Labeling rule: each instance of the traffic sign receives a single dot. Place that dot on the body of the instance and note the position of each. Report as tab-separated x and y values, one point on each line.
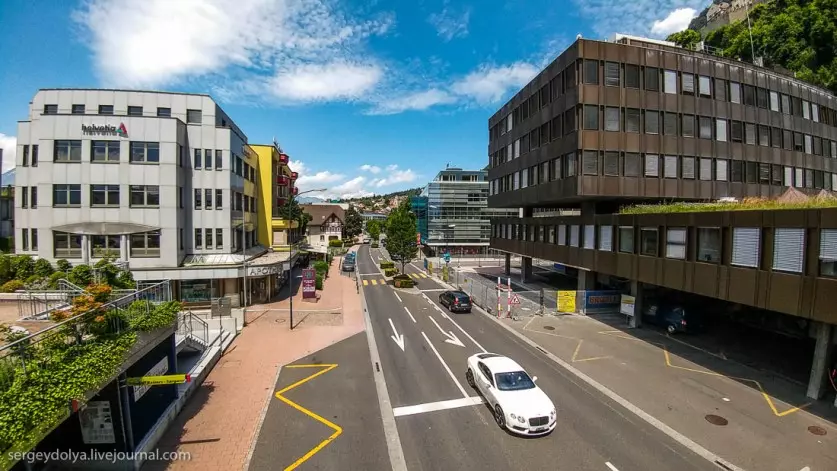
514	300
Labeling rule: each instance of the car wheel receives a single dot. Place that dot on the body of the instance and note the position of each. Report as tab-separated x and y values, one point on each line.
671	329
499	417
469	377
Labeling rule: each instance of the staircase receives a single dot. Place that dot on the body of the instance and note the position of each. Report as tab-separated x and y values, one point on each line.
195	334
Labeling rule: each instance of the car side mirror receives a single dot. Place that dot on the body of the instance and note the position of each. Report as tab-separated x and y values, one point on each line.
534	378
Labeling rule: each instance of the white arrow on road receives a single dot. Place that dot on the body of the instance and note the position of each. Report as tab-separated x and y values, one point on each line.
399	339
451	337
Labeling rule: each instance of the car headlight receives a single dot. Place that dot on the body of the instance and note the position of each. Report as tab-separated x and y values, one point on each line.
552	414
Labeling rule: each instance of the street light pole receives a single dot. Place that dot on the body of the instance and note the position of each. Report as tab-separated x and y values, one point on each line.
291	252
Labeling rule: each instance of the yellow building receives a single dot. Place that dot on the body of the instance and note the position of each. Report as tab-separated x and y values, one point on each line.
275	184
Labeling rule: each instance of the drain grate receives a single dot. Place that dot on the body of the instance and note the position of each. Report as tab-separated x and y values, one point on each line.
716	420
817	430
548	327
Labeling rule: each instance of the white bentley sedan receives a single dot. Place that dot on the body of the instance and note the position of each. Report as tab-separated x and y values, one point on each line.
519	405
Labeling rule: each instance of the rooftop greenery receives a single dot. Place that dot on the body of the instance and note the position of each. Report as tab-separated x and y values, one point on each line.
751	204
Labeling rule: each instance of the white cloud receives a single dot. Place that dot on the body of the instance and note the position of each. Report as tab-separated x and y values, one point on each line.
370	168
292	48
354	188
449	23
308	179
395	176
638	17
418	101
298	166
489	84
677	20
9	146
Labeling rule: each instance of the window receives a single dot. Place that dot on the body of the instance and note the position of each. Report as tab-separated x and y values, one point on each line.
207	199
145	152
709	244
761	98
33	199
720	90
751	172
145	196
34	239
105	109
219	198
570	160
809	145
764	136
745	246
219	238
207	161
146	244
705	126
105	245
631	76
652	122
606	238
562	234
797	142
721	170
24	235
735	92
164	112
806	110
612	118
749	95
626	239
67	151
786	108
670	166
198	160
24	197
611	74
104	195
631	120
25	156
670	124
135	111
198	199
194	117
591	72
569	121
670	82
688	125
591	117
764	174
590	162
798	177
704	84
78	109
688	83
736	131
50	109
611	164
788	249
589	236
815	112
652	79
208	238
104	151
750	133
557	132
721	130
787	139
34	155
574	236
648	242
688	168
828	252
652	163
632	165
66	195
774	101
676	243
219	160
66	245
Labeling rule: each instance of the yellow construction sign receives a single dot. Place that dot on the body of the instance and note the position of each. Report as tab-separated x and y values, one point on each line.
158	380
566	301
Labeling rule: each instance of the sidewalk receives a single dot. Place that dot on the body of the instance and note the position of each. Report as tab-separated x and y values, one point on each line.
219	423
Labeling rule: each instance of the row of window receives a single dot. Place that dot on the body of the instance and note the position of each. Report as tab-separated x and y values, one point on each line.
630	164
635	120
203	239
192	116
69	246
616	74
703	244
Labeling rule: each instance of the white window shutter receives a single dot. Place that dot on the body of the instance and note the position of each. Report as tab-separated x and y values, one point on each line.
788	249
574	236
828	244
745	246
589	236
606	238
562	234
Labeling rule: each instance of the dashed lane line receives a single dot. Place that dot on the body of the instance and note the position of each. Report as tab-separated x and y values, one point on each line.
437	406
579	342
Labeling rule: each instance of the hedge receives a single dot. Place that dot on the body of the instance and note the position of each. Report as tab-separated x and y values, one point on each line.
390	271
385	265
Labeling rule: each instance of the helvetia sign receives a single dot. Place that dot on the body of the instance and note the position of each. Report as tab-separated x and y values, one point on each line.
105	130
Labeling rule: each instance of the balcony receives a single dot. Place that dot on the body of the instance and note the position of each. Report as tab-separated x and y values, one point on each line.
280	202
282	224
284	158
282	180
296	191
294	176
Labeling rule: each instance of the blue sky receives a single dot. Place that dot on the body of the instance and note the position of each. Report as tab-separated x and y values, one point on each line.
366	96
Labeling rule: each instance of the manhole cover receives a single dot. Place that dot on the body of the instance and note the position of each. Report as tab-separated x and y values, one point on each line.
716	420
280	321
548	327
817	430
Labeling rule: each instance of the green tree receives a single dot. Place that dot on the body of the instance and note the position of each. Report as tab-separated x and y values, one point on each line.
686	39
373	228
353	224
401	235
297	214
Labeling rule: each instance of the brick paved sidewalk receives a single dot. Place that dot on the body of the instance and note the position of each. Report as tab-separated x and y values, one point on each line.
219	423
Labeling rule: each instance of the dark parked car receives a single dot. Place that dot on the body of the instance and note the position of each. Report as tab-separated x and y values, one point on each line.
348	264
673	318
455	301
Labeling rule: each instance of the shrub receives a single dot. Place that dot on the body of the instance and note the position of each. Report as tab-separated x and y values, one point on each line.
81	275
43	268
321	267
11	286
53	279
33	280
390	271
335	243
125	280
63	265
6	272
386	265
318	282
403	281
23	266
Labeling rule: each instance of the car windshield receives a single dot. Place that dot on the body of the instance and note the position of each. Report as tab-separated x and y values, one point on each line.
462	297
514	381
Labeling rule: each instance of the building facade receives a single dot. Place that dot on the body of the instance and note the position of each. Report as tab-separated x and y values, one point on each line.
326	224
276	185
165	182
7	210
610	124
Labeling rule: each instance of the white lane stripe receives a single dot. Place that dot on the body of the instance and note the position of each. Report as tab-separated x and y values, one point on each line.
410	313
612	468
457	325
458	384
399	298
437	406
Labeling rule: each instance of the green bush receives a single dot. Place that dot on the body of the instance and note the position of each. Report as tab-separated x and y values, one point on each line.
32	280
145	316
321	267
23	266
81	275
403	281
390	271
63	265
385	265
335	243
43	268
53	279
11	286
318	282
6	272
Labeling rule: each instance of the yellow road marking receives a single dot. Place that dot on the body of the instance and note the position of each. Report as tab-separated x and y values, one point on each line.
578	348
337	429
374	282
575	358
365	282
758	385
423	275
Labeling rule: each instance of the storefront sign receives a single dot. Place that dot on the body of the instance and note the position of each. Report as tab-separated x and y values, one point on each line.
96	422
104	130
265	270
159	369
566	301
309	283
158	380
627	304
601	302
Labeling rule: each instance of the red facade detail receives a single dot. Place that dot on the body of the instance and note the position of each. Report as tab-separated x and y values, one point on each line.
294	175
284	158
296	190
282	180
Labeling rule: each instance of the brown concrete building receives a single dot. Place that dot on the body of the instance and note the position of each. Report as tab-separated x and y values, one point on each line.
608	124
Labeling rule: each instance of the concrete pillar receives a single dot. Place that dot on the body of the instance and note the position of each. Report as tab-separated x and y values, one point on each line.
637	293
85	249
525	269
508	264
586	280
820	365
123	248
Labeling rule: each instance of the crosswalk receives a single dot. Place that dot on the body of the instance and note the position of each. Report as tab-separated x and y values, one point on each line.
375	280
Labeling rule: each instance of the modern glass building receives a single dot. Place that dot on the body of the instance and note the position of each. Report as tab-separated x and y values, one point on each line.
452	212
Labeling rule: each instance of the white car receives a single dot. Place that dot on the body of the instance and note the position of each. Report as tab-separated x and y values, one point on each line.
520	406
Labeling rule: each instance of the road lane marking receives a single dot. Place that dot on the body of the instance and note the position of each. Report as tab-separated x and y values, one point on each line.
374	282
456	324
612	468
337	429
398	297
575	358
423	275
365	282
437	406
409	313
399	339
452	376
369	274
451	337
432	290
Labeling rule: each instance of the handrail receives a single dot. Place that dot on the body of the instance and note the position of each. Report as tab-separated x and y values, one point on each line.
205	326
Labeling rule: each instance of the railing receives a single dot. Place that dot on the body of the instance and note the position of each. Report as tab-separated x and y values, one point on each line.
186	327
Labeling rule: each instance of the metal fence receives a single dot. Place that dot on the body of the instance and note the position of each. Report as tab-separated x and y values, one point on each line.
484	294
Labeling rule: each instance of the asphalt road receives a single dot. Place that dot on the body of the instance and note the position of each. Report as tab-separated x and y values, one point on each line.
336	393
593	432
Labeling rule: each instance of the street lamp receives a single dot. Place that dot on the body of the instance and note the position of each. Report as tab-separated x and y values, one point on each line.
291	251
